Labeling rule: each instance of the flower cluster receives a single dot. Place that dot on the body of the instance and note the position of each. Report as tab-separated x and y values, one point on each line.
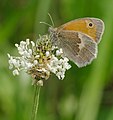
39	60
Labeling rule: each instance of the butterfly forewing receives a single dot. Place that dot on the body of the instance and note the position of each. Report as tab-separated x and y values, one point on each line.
93	27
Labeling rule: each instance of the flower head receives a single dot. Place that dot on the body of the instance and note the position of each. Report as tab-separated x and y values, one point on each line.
39	59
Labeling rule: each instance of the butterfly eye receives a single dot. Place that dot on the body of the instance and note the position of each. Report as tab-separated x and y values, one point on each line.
90	25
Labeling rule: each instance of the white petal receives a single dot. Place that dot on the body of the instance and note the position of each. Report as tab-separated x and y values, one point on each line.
29	65
8	55
10	66
15	72
47	53
13	61
35	62
62	76
22	43
37	56
61	51
16	45
30	51
27	41
66	59
57	52
22	63
33	44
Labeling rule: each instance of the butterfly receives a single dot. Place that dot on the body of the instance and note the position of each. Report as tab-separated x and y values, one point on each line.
79	39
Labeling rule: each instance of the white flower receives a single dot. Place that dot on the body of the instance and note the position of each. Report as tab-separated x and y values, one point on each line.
37	56
15	72
22	63
33	44
10	67
35	62
47	53
16	45
29	65
59	52
60	75
54	47
30	51
44	70
39	59
59	67
27	41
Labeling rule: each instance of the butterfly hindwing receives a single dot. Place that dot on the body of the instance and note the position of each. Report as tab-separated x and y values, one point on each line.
78	47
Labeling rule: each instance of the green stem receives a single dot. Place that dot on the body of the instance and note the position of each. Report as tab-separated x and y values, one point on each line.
36	102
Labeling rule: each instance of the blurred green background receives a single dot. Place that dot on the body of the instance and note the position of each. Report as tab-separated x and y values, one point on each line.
84	94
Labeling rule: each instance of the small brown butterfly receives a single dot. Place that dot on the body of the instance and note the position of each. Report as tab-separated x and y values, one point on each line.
79	39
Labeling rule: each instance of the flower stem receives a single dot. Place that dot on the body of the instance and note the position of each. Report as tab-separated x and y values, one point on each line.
35	102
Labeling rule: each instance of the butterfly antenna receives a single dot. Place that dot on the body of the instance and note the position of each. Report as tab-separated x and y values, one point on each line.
46	24
51	20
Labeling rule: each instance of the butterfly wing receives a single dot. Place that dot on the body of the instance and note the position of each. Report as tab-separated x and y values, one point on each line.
78	47
93	27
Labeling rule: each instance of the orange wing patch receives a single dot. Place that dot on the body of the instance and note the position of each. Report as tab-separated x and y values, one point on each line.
81	26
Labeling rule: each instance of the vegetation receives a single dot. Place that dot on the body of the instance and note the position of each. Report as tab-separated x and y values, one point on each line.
85	93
